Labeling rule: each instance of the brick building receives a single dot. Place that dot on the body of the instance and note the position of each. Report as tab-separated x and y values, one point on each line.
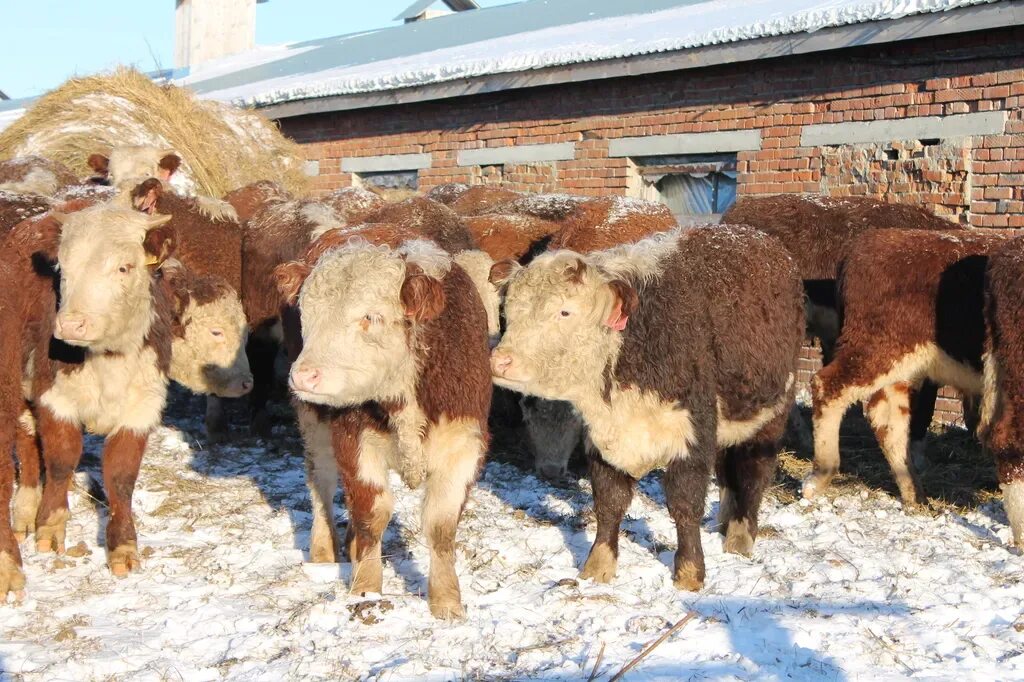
690	103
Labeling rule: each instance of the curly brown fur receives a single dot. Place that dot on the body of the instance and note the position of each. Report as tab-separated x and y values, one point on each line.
251	199
35	175
429	219
481	198
602	223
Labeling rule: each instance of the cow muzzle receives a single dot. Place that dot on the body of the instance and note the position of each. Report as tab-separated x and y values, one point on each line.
304	379
74	328
505	367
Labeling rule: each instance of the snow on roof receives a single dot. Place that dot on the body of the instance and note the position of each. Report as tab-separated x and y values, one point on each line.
9	116
530	35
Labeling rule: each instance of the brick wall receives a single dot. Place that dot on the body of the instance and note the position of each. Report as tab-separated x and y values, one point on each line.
977	180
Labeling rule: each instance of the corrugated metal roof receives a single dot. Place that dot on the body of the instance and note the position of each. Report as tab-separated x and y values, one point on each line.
531	35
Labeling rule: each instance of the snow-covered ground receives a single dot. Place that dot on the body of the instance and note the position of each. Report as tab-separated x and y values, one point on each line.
848	588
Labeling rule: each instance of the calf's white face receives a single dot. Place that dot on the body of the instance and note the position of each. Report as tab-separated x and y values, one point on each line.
360	306
563	322
211	358
104	258
130	165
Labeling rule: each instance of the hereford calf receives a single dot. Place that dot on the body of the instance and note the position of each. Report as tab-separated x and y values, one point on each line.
1002	424
394	353
35	175
129	165
930	327
15	207
354	205
109	373
253	198
672	349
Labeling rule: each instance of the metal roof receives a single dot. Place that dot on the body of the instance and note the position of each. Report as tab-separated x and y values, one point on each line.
549	41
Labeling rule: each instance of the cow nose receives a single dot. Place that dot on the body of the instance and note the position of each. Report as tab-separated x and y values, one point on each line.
71	327
305	378
247	385
501	361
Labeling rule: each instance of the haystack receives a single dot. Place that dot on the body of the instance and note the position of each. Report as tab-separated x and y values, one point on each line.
221	147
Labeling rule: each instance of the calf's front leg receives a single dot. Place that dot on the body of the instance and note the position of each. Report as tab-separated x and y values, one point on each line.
613	491
62	448
122	457
30	463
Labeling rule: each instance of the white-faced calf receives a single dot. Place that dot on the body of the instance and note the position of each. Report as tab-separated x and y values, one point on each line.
672	349
392	374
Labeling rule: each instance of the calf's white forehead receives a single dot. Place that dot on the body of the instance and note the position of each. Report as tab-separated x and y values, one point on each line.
129	162
101	230
352	274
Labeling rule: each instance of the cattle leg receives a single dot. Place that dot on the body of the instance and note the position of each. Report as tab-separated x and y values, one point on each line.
62	448
122	457
829	406
30	464
11	577
262	351
744	472
889	414
322	481
613	491
454	453
216	424
971	406
686	484
922	412
1010	471
554	429
361	456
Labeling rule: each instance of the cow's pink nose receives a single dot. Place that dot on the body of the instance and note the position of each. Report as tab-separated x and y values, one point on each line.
247	385
501	361
305	378
72	327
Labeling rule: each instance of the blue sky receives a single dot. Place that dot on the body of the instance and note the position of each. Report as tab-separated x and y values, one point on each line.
47	41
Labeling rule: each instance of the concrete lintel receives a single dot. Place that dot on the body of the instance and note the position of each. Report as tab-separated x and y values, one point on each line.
527	153
386	163
916	128
686	143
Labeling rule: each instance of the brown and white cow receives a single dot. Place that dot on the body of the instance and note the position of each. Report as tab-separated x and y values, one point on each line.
129	165
15	207
674	349
912	303
109	373
208	340
392	375
35	175
254	197
1002	417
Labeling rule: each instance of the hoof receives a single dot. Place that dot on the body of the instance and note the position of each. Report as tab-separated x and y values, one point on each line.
12	580
601	565
50	536
738	539
446	609
688	579
815	485
123	560
261	425
367	578
26	504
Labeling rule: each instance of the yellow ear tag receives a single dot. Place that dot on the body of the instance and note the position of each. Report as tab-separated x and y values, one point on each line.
152	260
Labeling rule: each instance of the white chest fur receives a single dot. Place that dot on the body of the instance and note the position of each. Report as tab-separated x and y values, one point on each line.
638	432
111	392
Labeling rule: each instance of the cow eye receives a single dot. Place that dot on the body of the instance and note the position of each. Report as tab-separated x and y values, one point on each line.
125	269
217	332
565	313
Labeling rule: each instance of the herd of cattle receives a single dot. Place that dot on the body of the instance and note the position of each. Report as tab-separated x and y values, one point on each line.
657	347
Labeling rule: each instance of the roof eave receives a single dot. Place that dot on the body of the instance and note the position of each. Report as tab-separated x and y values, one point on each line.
964	20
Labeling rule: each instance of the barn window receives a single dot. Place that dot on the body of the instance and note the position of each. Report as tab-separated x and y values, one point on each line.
404	179
698	188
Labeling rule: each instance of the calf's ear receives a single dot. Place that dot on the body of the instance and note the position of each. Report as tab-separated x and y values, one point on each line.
146	194
168	165
624	304
503	271
422	296
160	240
100	164
289	278
176	280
